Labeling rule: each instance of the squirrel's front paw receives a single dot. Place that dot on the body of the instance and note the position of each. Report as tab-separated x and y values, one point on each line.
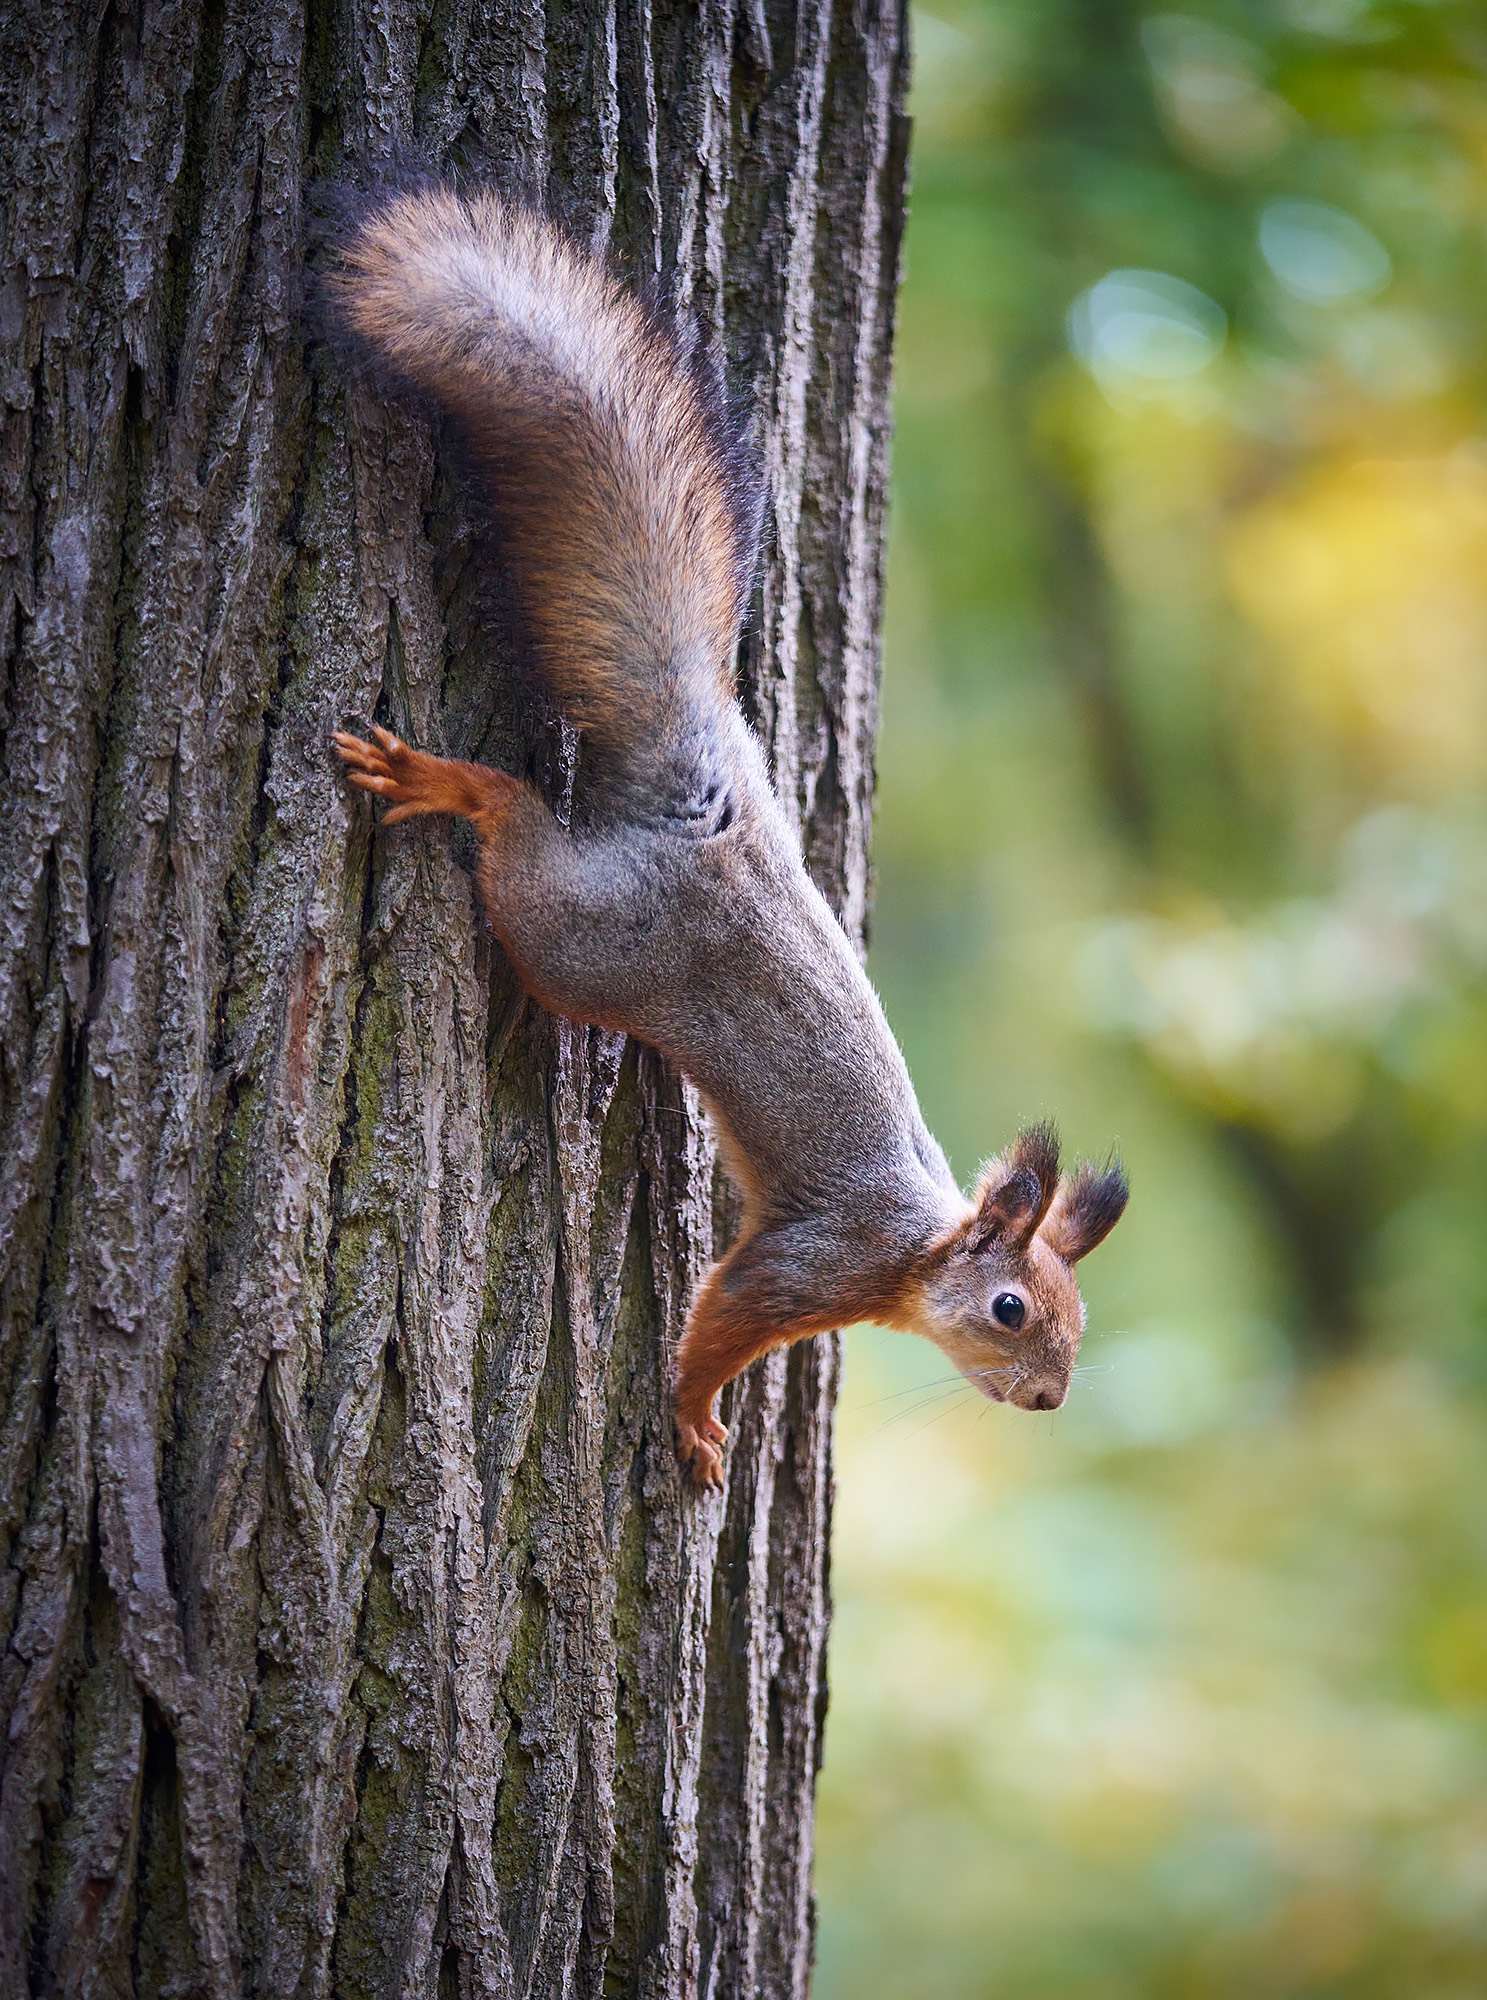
699	1449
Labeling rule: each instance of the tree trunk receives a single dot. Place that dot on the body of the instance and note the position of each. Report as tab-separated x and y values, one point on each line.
362	1637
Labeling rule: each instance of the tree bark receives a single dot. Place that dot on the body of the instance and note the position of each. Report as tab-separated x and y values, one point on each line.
362	1638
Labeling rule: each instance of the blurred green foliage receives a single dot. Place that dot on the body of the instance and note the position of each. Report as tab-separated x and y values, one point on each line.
1182	837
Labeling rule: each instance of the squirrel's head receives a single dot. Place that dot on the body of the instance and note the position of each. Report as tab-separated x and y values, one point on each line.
997	1295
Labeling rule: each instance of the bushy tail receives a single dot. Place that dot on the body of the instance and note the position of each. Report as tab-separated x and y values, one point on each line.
613	480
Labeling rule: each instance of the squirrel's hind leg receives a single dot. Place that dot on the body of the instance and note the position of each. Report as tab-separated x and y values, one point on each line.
565	912
410	782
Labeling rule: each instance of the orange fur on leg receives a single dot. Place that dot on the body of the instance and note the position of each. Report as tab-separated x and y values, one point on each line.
411	782
723	1336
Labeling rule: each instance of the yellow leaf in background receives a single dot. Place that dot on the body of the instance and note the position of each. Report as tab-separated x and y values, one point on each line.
1454	1654
1369	580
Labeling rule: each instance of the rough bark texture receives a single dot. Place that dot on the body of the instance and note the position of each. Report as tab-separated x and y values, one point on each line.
361	1638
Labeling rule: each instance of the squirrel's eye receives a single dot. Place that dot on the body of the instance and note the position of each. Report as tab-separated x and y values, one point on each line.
1008	1310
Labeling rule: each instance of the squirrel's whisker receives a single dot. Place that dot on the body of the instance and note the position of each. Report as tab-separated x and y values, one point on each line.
894	1395
936	1417
946	1396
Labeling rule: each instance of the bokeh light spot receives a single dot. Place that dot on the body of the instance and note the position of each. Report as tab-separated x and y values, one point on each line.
1322	254
1144	330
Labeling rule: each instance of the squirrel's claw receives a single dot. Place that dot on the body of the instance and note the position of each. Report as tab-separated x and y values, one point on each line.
699	1454
411	782
363	761
371	767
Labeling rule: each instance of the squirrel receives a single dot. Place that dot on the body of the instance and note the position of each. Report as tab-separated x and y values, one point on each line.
680	910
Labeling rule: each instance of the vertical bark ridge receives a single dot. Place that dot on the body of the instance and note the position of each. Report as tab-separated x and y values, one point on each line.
361	1638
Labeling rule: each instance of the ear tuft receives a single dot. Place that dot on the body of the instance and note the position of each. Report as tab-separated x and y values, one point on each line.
1088	1207
1016	1192
1035	1152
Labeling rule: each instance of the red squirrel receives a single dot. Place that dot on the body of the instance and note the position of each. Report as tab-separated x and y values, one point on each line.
680	910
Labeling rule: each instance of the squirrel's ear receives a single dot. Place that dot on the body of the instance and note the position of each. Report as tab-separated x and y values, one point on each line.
1016	1192
1086	1210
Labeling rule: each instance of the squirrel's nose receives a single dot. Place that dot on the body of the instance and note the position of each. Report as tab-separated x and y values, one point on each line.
1048	1399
